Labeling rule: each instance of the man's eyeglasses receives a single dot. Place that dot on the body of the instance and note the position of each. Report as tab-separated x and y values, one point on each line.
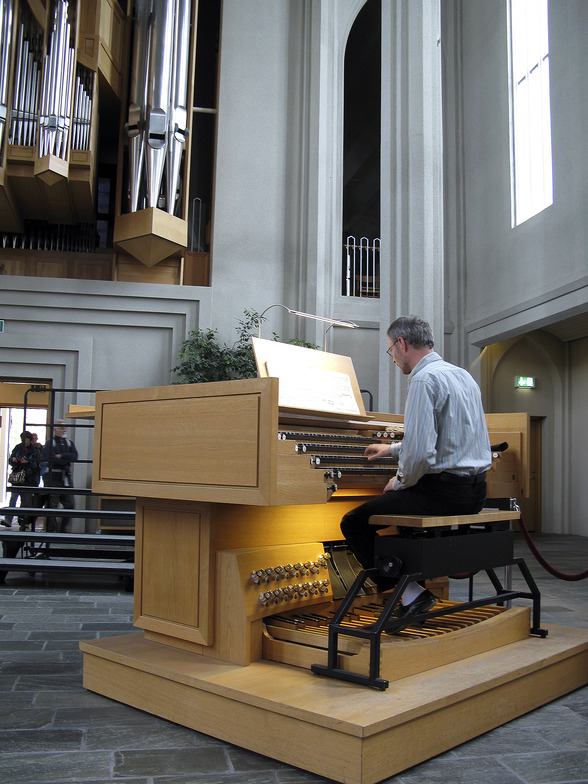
394	342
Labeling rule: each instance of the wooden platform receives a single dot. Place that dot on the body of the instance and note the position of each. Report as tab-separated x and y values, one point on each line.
238	537
339	730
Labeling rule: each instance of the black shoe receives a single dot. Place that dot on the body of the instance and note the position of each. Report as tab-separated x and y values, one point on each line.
6	523
421	604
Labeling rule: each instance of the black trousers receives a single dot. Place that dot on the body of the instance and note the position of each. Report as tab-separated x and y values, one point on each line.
433	494
53	500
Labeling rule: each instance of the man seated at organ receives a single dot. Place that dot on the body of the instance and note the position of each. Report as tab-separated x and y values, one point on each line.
442	459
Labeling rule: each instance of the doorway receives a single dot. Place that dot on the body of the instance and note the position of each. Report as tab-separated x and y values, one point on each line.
14	419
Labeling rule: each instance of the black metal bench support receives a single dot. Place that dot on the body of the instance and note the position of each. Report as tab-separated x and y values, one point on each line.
425	557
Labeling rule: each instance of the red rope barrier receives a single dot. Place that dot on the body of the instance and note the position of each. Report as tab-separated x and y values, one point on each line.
541	560
538	557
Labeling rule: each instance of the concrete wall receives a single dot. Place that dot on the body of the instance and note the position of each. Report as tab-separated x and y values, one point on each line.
505	284
94	335
277	225
559	399
278	178
507	281
537	354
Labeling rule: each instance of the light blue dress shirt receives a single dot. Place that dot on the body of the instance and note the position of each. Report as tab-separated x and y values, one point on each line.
444	424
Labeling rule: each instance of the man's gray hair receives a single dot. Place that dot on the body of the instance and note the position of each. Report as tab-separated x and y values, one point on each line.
413	329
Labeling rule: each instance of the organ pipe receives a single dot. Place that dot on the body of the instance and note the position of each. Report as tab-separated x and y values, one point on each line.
27	81
157	124
138	100
58	75
50	58
6	14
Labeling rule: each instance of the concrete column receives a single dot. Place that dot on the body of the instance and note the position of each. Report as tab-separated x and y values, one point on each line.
412	195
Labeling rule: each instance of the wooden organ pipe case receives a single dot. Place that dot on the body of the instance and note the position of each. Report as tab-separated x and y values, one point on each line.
61	53
239	567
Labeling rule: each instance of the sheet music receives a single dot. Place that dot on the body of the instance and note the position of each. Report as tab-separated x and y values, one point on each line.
314	388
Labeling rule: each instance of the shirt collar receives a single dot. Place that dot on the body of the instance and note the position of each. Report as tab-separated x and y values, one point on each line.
426	360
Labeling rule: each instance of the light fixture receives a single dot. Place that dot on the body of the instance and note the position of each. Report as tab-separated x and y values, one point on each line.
524	382
330	321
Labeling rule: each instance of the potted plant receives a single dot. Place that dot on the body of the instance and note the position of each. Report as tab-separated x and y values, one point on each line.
203	358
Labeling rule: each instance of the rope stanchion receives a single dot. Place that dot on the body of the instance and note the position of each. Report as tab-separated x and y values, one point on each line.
536	554
541	560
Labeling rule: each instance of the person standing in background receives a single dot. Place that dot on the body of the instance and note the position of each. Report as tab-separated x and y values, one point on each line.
59	453
24	457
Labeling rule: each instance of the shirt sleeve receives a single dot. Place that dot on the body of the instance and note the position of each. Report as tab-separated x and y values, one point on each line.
418	447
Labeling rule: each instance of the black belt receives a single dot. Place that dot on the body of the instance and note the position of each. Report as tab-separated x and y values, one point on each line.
453	479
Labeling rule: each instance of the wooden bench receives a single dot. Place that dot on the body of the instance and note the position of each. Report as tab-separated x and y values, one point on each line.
485	517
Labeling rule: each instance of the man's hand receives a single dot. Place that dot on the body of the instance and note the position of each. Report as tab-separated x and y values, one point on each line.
376	451
390	486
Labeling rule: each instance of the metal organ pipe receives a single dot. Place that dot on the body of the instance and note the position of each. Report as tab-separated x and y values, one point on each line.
178	129
82	108
158	116
158	94
16	92
54	121
6	13
27	79
138	100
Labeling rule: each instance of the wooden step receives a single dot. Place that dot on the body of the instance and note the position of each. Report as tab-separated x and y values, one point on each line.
102	540
51	565
42	511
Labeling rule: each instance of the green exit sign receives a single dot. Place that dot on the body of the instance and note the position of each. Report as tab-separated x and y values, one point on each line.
525	382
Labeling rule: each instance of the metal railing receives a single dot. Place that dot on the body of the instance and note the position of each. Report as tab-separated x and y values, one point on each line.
361	267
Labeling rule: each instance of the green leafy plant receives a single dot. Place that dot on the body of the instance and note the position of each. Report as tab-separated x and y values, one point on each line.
242	351
203	358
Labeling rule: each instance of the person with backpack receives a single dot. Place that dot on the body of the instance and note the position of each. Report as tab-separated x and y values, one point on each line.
59	453
25	464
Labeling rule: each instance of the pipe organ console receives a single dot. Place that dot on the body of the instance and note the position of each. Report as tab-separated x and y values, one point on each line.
240	569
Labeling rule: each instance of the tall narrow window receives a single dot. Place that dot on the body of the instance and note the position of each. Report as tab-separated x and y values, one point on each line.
361	155
530	115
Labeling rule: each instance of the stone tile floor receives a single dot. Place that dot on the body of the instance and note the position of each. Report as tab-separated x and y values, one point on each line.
52	731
